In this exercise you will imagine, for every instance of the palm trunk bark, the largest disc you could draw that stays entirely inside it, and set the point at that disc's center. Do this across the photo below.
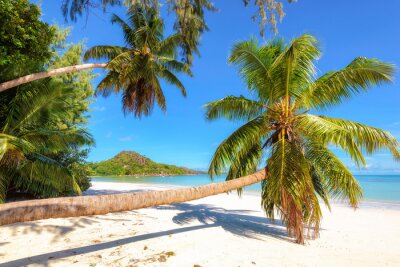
(62, 207)
(44, 74)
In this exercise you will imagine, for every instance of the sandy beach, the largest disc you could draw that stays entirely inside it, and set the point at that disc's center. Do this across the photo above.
(222, 230)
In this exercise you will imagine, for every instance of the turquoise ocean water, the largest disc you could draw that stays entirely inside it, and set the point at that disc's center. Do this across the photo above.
(380, 188)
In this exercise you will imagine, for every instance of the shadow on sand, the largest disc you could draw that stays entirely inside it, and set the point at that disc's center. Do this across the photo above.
(237, 222)
(57, 230)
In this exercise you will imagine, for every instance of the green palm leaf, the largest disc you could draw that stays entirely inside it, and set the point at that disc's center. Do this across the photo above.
(350, 136)
(338, 179)
(233, 108)
(245, 163)
(254, 64)
(238, 143)
(294, 67)
(104, 51)
(333, 87)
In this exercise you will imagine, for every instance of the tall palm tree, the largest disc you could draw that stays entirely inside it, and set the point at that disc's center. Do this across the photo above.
(293, 145)
(30, 133)
(136, 70)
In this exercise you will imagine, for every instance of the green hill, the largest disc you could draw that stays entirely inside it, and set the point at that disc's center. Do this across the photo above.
(132, 163)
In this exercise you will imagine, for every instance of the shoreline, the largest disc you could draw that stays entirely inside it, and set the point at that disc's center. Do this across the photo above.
(149, 175)
(221, 230)
(364, 203)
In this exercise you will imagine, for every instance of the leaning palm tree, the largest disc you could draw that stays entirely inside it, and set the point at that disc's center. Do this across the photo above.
(293, 145)
(136, 70)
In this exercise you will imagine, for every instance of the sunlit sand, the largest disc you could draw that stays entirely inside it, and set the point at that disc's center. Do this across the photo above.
(216, 231)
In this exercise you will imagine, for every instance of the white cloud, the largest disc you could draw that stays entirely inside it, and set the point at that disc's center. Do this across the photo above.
(109, 135)
(125, 139)
(396, 123)
(99, 108)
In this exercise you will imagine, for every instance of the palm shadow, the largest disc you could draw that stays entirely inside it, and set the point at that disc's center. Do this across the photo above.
(58, 231)
(237, 222)
(46, 258)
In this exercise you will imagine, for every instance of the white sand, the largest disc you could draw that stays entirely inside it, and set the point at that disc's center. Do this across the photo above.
(216, 231)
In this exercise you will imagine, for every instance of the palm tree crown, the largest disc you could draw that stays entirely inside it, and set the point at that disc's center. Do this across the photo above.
(292, 144)
(136, 70)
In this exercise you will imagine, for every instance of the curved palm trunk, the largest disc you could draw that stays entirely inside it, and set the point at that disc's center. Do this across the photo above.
(32, 210)
(44, 74)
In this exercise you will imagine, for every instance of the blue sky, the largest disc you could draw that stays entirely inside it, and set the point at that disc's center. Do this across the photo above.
(181, 136)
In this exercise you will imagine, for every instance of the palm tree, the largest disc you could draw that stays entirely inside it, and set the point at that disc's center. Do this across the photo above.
(293, 145)
(30, 133)
(23, 211)
(48, 73)
(299, 163)
(134, 70)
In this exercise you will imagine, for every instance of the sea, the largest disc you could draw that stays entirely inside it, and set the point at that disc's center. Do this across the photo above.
(376, 188)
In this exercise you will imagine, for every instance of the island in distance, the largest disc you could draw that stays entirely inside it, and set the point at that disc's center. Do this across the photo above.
(130, 163)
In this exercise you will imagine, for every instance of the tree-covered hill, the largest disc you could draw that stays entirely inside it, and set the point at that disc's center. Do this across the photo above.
(132, 163)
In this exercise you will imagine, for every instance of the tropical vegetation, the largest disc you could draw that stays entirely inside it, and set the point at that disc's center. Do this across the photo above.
(189, 14)
(281, 135)
(189, 26)
(44, 140)
(134, 164)
(43, 137)
(25, 41)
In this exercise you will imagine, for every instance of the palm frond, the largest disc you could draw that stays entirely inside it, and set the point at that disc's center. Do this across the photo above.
(32, 105)
(246, 162)
(5, 176)
(360, 75)
(370, 139)
(352, 137)
(104, 51)
(55, 141)
(121, 61)
(290, 190)
(320, 186)
(172, 79)
(138, 98)
(294, 67)
(254, 64)
(242, 140)
(159, 95)
(109, 84)
(316, 128)
(168, 46)
(333, 173)
(233, 108)
(129, 33)
(174, 65)
(43, 176)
